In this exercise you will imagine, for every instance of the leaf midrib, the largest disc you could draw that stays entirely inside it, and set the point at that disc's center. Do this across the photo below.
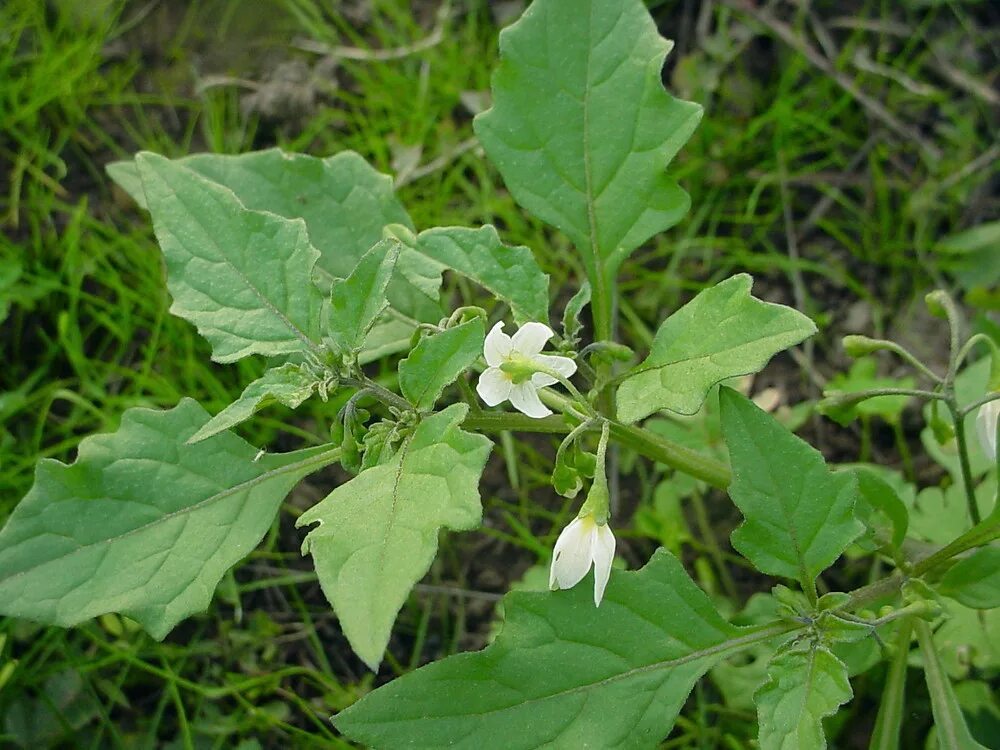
(741, 642)
(322, 458)
(267, 303)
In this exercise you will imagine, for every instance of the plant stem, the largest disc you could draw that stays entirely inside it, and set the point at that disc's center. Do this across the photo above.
(963, 459)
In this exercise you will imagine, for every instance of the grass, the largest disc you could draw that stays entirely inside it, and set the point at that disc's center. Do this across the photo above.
(793, 177)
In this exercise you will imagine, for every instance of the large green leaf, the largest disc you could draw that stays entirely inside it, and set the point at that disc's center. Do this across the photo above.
(142, 523)
(287, 384)
(798, 515)
(437, 360)
(344, 202)
(723, 332)
(243, 277)
(561, 674)
(511, 273)
(378, 534)
(346, 205)
(582, 130)
(357, 301)
(806, 683)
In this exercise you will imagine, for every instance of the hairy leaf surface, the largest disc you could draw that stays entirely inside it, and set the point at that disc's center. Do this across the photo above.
(345, 203)
(798, 515)
(377, 535)
(357, 301)
(582, 130)
(437, 360)
(142, 523)
(723, 332)
(243, 277)
(806, 683)
(286, 384)
(562, 673)
(511, 273)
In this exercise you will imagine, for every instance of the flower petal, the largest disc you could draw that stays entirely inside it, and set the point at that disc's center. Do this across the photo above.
(494, 386)
(571, 555)
(531, 337)
(603, 553)
(540, 380)
(562, 365)
(498, 346)
(986, 426)
(524, 398)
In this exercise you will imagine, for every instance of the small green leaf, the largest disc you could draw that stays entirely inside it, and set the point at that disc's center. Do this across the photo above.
(287, 385)
(561, 673)
(949, 722)
(571, 322)
(142, 523)
(806, 683)
(975, 580)
(437, 360)
(798, 514)
(378, 533)
(722, 333)
(582, 130)
(357, 301)
(243, 277)
(511, 273)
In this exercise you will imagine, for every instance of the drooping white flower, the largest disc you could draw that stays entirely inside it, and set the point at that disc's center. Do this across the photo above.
(514, 364)
(986, 426)
(584, 542)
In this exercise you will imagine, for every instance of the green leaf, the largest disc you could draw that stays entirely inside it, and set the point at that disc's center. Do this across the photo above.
(806, 683)
(939, 516)
(287, 385)
(357, 301)
(889, 721)
(582, 130)
(344, 202)
(722, 333)
(243, 277)
(884, 515)
(798, 515)
(142, 523)
(975, 580)
(952, 731)
(571, 323)
(377, 534)
(437, 360)
(346, 205)
(562, 673)
(511, 273)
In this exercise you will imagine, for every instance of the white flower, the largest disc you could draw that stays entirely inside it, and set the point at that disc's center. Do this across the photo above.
(583, 542)
(513, 368)
(986, 426)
